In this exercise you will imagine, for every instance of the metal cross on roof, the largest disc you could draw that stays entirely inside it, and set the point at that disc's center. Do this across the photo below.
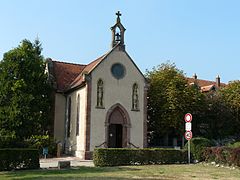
(118, 14)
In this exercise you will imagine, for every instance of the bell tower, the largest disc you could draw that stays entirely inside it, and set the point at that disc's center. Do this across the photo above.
(118, 33)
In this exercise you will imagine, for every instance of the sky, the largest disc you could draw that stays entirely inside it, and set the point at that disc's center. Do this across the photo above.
(199, 36)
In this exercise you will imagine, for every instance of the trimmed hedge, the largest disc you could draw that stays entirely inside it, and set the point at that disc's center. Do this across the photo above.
(126, 156)
(18, 158)
(198, 146)
(223, 155)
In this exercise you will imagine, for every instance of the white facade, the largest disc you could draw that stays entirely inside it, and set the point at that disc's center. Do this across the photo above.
(117, 91)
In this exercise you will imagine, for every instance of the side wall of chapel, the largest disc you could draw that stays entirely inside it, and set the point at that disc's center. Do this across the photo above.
(75, 142)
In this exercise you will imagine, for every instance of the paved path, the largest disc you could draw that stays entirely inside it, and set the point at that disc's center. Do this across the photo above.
(53, 162)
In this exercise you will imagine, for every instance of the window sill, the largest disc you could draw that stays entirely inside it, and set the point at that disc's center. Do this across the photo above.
(100, 107)
(135, 110)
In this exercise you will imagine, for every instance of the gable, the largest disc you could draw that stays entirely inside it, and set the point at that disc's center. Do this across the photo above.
(88, 69)
(116, 55)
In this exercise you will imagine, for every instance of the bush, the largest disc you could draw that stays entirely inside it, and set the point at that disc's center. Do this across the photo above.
(41, 141)
(7, 141)
(235, 156)
(223, 155)
(197, 146)
(17, 158)
(126, 156)
(10, 141)
(235, 145)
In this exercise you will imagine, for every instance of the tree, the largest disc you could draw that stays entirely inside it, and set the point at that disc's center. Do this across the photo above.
(231, 96)
(169, 99)
(218, 118)
(24, 92)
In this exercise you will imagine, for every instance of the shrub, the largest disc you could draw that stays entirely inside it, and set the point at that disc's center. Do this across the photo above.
(126, 156)
(235, 156)
(198, 146)
(41, 141)
(10, 141)
(17, 158)
(223, 155)
(235, 145)
(7, 141)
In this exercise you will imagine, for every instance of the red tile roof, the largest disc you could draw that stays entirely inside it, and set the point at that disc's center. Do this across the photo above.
(88, 68)
(69, 75)
(201, 82)
(207, 88)
(65, 73)
(205, 85)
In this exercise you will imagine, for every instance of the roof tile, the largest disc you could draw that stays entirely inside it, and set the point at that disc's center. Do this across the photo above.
(202, 83)
(65, 73)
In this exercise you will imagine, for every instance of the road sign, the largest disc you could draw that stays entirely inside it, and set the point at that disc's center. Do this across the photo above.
(188, 126)
(188, 117)
(188, 135)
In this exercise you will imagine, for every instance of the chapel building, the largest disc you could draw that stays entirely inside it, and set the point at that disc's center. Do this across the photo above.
(101, 104)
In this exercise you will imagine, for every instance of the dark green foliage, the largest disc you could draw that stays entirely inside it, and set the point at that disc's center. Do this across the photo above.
(198, 146)
(34, 142)
(235, 145)
(121, 156)
(7, 141)
(221, 113)
(170, 98)
(223, 155)
(18, 159)
(231, 96)
(41, 141)
(24, 92)
(215, 113)
(11, 142)
(218, 119)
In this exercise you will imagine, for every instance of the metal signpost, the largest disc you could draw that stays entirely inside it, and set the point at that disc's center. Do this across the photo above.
(188, 133)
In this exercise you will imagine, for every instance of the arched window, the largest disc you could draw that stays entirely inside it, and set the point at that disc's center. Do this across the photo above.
(69, 117)
(78, 115)
(135, 98)
(100, 93)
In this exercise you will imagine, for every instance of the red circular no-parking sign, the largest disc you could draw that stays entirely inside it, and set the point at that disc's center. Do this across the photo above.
(188, 135)
(188, 117)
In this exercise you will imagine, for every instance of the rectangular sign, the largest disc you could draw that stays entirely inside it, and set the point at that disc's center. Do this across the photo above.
(188, 126)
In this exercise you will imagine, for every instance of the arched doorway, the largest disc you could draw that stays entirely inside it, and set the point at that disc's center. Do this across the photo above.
(117, 127)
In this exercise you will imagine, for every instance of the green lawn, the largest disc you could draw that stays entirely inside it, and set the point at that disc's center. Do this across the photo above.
(181, 172)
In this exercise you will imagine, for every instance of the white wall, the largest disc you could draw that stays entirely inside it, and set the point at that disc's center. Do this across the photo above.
(116, 91)
(77, 142)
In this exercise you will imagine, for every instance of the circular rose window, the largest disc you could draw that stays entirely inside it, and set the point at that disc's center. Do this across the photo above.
(118, 70)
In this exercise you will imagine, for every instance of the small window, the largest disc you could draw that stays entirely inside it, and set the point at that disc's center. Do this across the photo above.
(135, 97)
(100, 94)
(69, 117)
(78, 115)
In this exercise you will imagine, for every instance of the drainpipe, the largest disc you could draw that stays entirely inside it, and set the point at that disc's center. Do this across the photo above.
(65, 124)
